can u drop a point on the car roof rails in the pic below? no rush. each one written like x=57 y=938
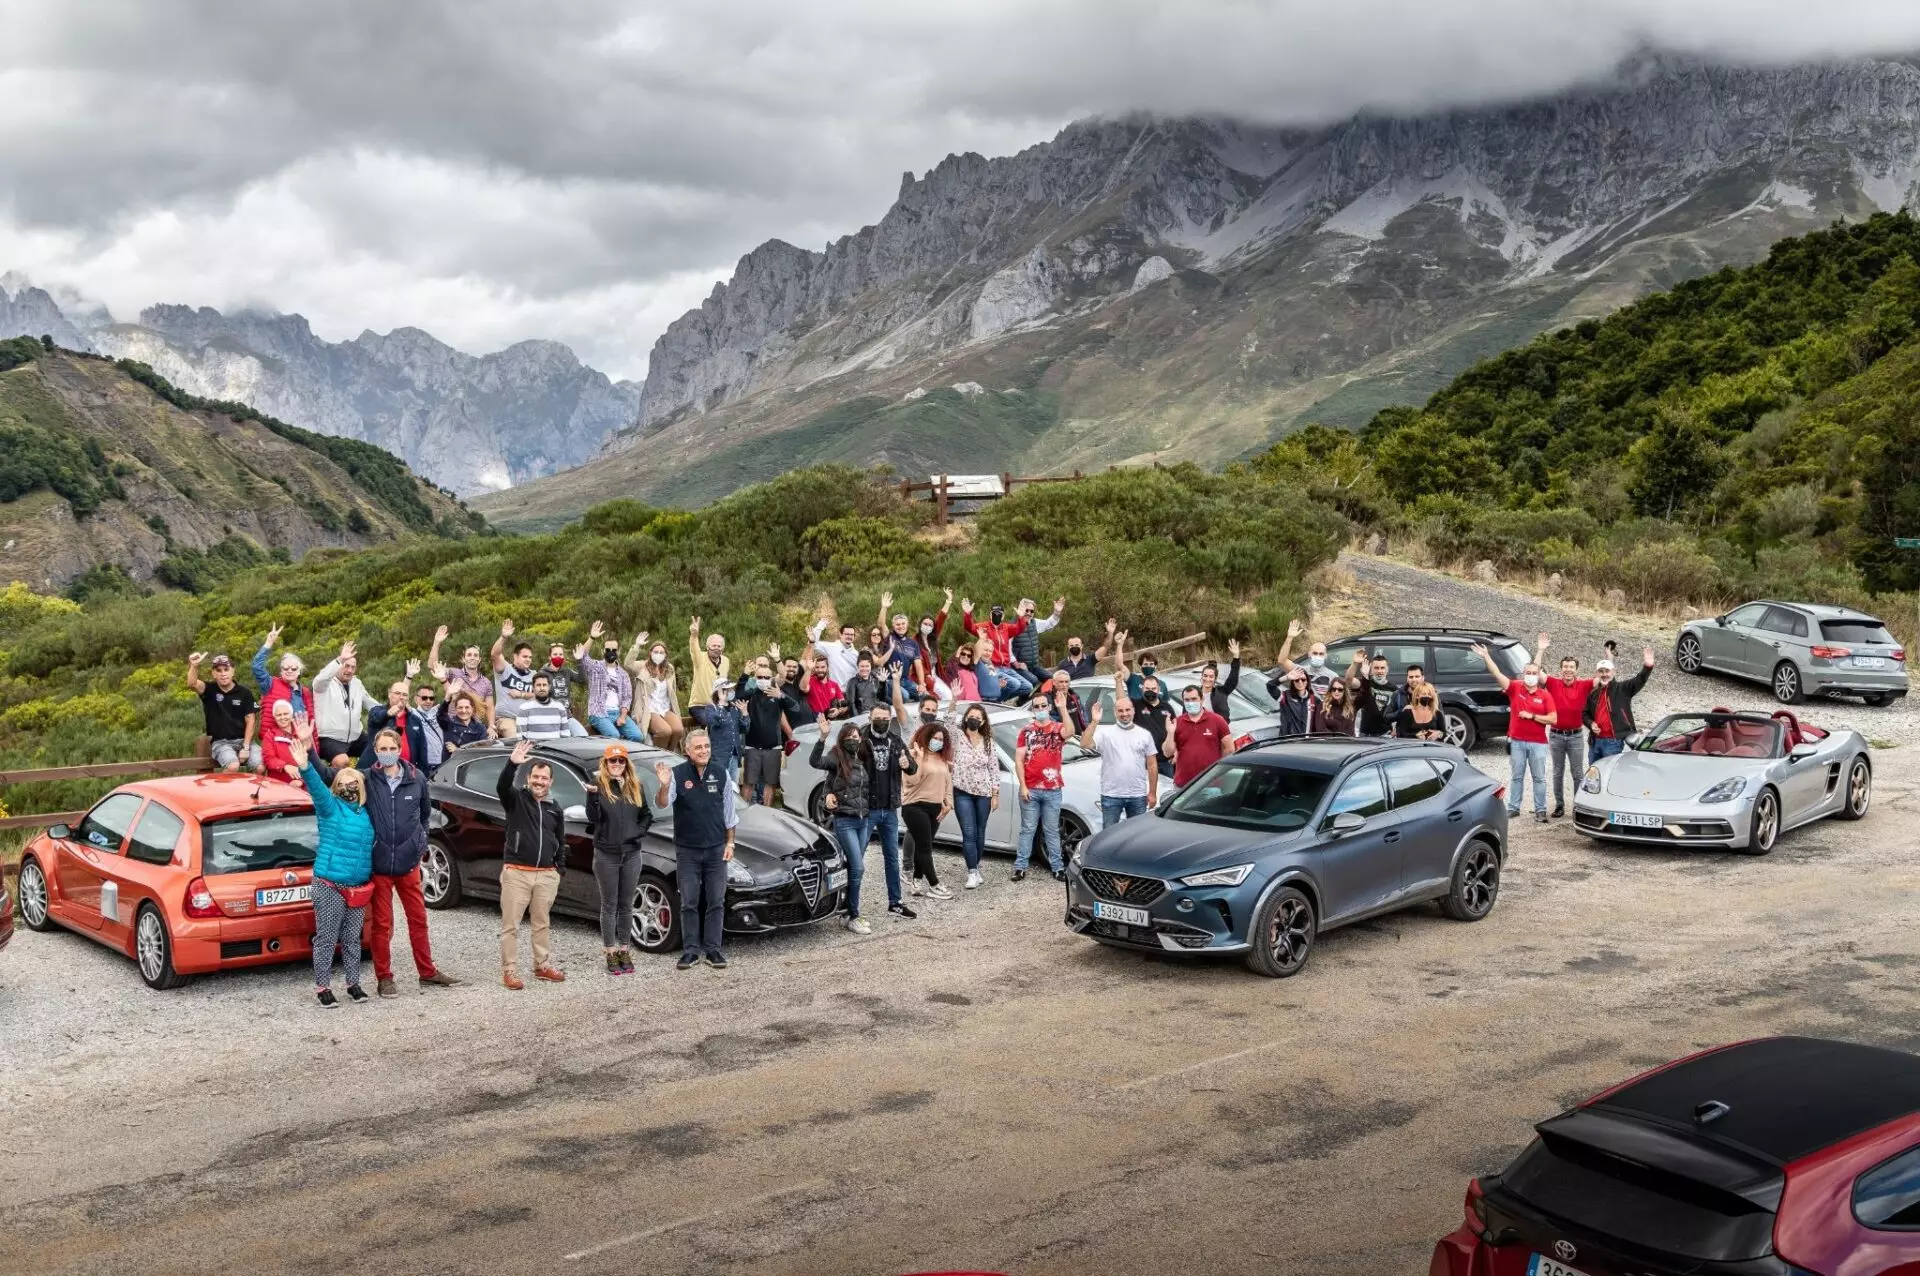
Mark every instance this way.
x=1437 y=629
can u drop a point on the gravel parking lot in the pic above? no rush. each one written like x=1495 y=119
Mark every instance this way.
x=975 y=1088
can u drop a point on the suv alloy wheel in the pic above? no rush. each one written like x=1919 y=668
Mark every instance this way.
x=1686 y=654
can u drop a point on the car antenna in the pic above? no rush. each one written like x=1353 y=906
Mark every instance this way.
x=1710 y=1111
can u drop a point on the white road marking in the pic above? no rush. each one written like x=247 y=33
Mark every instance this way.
x=651 y=1232
x=1194 y=1067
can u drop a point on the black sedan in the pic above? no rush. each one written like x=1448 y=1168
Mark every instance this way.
x=784 y=871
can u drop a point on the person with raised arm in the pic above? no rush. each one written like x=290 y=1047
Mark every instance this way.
x=286 y=684
x=1608 y=713
x=1320 y=675
x=467 y=676
x=709 y=665
x=512 y=681
x=608 y=687
x=342 y=867
x=341 y=705
x=533 y=855
x=656 y=694
x=1129 y=760
x=229 y=713
x=1530 y=711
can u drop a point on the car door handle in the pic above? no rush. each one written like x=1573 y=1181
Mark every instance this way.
x=1393 y=835
x=1454 y=817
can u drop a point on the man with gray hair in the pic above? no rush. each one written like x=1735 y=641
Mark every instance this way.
x=705 y=813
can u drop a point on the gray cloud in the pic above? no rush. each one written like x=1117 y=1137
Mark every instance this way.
x=489 y=169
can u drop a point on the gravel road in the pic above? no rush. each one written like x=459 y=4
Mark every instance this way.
x=974 y=1089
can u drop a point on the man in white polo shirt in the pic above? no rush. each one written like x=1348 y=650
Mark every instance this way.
x=1129 y=771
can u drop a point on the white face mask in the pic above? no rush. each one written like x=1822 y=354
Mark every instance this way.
x=659 y=657
x=1318 y=662
x=1193 y=707
x=927 y=628
x=1532 y=681
x=937 y=744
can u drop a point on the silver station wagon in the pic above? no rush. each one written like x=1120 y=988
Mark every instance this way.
x=1799 y=650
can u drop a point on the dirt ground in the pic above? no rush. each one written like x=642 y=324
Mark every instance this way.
x=975 y=1089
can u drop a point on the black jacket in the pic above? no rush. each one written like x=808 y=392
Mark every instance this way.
x=617 y=825
x=1297 y=713
x=850 y=794
x=887 y=759
x=380 y=720
x=1619 y=702
x=399 y=813
x=1222 y=697
x=536 y=828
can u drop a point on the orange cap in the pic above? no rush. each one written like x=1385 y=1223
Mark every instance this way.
x=614 y=751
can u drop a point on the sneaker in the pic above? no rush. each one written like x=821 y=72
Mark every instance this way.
x=1513 y=812
x=717 y=960
x=1559 y=812
x=859 y=926
x=1059 y=874
x=613 y=964
x=438 y=979
x=937 y=891
x=356 y=992
x=973 y=879
x=386 y=988
x=326 y=998
x=511 y=980
x=550 y=974
x=626 y=962
x=919 y=887
x=901 y=911
x=1539 y=817
x=688 y=961
x=1019 y=874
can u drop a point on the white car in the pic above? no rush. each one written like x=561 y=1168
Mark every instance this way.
x=803 y=787
x=1251 y=712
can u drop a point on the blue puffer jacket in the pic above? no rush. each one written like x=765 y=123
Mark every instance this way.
x=345 y=857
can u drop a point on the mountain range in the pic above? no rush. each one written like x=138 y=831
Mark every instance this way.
x=471 y=424
x=1145 y=288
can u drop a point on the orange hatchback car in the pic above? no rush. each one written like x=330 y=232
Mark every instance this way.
x=186 y=876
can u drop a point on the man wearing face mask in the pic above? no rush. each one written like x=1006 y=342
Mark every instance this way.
x=1320 y=675
x=1566 y=742
x=1532 y=711
x=887 y=759
x=993 y=654
x=767 y=730
x=398 y=716
x=1608 y=712
x=1036 y=765
x=1149 y=701
x=727 y=730
x=1129 y=770
x=398 y=806
x=1078 y=664
x=1376 y=699
x=560 y=680
x=1200 y=739
x=710 y=665
x=608 y=687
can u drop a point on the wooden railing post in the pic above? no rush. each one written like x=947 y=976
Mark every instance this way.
x=940 y=503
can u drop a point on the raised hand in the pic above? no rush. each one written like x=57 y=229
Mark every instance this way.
x=966 y=604
x=194 y=659
x=1646 y=656
x=596 y=629
x=298 y=752
x=1295 y=628
x=303 y=729
x=1233 y=648
x=773 y=649
x=1059 y=604
x=440 y=634
x=886 y=601
x=663 y=773
x=640 y=639
x=694 y=626
x=413 y=670
x=273 y=634
x=506 y=629
x=1479 y=649
x=1544 y=642
x=1113 y=623
x=346 y=650
x=948 y=604
x=522 y=750
x=1093 y=715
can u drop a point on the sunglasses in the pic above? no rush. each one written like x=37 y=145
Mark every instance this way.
x=614 y=762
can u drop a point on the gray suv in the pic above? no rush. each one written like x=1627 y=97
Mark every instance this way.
x=1799 y=650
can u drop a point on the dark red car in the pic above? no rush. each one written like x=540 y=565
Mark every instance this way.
x=1788 y=1156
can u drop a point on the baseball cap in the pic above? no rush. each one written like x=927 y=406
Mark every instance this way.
x=222 y=660
x=614 y=751
x=1604 y=664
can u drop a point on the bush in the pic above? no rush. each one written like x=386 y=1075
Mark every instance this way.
x=860 y=549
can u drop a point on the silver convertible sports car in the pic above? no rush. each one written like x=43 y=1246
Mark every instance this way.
x=1720 y=778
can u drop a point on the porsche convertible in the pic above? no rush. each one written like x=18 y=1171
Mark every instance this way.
x=1720 y=778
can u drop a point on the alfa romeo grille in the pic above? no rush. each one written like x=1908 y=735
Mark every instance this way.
x=807 y=873
x=1138 y=891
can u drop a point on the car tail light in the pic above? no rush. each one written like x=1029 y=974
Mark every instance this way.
x=1476 y=1209
x=1899 y=653
x=1831 y=653
x=200 y=901
x=1242 y=742
x=1500 y=792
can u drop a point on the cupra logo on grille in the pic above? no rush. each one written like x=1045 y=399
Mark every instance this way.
x=1121 y=885
x=1564 y=1251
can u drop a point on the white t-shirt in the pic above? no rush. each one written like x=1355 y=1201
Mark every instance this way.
x=1125 y=754
x=660 y=699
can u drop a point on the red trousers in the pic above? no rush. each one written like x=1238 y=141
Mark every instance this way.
x=380 y=919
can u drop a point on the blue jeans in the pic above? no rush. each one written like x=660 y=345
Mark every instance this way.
x=1115 y=809
x=1527 y=757
x=1603 y=747
x=703 y=897
x=1013 y=684
x=603 y=724
x=972 y=811
x=1566 y=752
x=989 y=681
x=852 y=836
x=886 y=822
x=1040 y=807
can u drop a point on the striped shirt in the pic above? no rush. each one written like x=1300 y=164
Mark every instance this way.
x=542 y=721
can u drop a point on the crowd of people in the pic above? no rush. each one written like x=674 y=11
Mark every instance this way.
x=886 y=766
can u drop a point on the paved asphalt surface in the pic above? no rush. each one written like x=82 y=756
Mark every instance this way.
x=977 y=1088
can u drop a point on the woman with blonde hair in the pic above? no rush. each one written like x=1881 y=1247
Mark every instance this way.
x=656 y=698
x=617 y=819
x=342 y=868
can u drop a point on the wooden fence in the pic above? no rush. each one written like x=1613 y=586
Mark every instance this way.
x=944 y=489
x=94 y=771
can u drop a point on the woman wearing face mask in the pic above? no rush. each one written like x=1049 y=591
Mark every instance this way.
x=1531 y=712
x=1421 y=719
x=1336 y=711
x=927 y=796
x=617 y=820
x=342 y=869
x=656 y=699
x=925 y=669
x=846 y=803
x=976 y=785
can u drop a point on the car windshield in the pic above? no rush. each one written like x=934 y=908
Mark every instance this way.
x=1715 y=735
x=1859 y=631
x=283 y=839
x=1251 y=795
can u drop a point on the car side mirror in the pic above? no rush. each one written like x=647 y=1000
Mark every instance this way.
x=59 y=832
x=575 y=814
x=1346 y=822
x=1801 y=752
x=1720 y=621
x=1633 y=741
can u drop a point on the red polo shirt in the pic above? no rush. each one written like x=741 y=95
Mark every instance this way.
x=1199 y=738
x=1527 y=730
x=1569 y=701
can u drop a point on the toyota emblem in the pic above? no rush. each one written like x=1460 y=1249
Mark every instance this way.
x=1565 y=1251
x=290 y=877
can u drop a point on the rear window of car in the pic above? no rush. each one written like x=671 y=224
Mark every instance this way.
x=286 y=839
x=482 y=775
x=1888 y=1195
x=1251 y=796
x=1858 y=631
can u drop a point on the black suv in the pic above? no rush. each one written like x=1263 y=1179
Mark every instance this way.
x=1472 y=703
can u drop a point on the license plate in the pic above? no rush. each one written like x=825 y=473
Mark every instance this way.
x=1121 y=913
x=1634 y=821
x=1541 y=1265
x=836 y=879
x=282 y=895
x=1869 y=662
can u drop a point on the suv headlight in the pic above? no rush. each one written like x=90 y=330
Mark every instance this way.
x=1591 y=783
x=1219 y=876
x=1726 y=790
x=739 y=874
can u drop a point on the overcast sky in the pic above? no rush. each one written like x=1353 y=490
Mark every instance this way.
x=585 y=170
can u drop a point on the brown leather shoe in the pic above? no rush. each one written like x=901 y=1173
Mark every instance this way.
x=511 y=980
x=439 y=979
x=549 y=974
x=386 y=988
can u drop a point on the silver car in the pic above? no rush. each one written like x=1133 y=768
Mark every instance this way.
x=803 y=787
x=1737 y=780
x=1251 y=712
x=1799 y=650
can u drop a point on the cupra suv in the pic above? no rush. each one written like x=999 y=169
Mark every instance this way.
x=1269 y=848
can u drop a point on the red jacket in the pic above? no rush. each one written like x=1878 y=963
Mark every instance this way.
x=276 y=753
x=999 y=637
